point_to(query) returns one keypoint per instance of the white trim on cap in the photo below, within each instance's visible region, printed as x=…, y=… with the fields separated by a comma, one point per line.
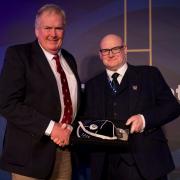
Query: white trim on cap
x=94, y=134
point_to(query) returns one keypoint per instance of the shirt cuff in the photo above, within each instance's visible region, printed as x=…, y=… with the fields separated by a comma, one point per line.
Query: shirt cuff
x=144, y=123
x=49, y=128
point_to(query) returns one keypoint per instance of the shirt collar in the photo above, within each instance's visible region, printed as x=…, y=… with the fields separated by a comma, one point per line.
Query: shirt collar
x=120, y=71
x=48, y=55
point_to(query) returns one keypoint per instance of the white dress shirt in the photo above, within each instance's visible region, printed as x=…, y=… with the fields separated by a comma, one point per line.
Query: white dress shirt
x=72, y=83
x=121, y=71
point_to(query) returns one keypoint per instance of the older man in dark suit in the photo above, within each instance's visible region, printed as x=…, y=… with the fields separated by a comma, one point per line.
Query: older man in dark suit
x=39, y=97
x=137, y=96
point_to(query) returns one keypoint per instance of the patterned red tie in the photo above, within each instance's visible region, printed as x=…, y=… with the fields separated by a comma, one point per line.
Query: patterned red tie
x=68, y=111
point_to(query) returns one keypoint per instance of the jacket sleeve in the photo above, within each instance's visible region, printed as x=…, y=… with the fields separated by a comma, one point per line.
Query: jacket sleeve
x=12, y=96
x=165, y=107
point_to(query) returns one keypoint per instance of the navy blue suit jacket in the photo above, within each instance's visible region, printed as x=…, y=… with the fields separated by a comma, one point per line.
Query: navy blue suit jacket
x=148, y=95
x=29, y=99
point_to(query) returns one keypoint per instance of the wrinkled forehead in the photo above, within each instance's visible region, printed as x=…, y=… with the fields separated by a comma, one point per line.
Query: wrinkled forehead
x=49, y=13
x=110, y=41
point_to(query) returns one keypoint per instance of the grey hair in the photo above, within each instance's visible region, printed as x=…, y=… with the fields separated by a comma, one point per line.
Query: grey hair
x=50, y=8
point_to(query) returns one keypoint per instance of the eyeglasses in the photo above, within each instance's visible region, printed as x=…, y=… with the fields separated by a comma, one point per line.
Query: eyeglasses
x=114, y=50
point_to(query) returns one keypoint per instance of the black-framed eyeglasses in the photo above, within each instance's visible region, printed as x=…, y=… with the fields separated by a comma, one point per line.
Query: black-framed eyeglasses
x=114, y=50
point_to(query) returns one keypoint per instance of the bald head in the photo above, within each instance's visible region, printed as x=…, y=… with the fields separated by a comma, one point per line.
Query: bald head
x=110, y=41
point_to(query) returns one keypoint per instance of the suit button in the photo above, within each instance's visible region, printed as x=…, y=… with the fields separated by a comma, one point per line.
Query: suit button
x=114, y=103
x=115, y=114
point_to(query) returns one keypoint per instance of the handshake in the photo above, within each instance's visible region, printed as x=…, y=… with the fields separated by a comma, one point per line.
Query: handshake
x=60, y=134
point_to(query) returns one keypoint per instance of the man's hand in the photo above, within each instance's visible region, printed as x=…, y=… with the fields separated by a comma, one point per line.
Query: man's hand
x=136, y=122
x=60, y=134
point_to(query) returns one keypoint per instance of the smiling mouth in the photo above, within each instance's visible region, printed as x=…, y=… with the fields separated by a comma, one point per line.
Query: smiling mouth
x=112, y=59
x=53, y=42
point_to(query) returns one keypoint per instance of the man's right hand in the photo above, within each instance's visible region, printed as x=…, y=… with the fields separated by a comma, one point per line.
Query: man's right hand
x=60, y=134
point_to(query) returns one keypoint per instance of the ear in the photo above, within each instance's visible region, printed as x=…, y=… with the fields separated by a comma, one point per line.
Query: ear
x=100, y=55
x=36, y=32
x=125, y=50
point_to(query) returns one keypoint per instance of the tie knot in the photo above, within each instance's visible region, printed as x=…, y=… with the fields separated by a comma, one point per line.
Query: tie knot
x=56, y=57
x=115, y=76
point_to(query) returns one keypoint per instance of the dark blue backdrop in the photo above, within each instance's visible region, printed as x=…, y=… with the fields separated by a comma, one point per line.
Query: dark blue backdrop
x=88, y=21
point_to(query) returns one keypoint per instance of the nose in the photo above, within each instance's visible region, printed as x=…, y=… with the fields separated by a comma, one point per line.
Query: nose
x=110, y=53
x=53, y=32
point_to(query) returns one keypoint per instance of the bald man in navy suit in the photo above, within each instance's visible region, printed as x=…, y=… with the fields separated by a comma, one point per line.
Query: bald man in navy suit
x=137, y=96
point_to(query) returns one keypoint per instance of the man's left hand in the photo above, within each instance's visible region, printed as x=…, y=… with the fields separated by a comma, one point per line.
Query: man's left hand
x=136, y=123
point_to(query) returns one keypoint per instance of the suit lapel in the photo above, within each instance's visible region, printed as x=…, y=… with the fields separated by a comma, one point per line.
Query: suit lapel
x=102, y=84
x=124, y=84
x=69, y=62
x=134, y=88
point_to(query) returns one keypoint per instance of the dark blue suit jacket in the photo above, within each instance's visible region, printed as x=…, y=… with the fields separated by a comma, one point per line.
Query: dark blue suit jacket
x=29, y=99
x=148, y=95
